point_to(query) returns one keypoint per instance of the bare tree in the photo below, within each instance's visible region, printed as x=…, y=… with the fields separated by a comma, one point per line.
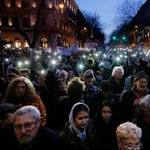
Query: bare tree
x=127, y=10
x=93, y=19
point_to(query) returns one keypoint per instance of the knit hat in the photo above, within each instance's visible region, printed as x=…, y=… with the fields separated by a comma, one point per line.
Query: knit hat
x=88, y=74
x=140, y=75
x=7, y=108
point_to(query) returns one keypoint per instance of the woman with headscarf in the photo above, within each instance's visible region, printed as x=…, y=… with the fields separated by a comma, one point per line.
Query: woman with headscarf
x=76, y=135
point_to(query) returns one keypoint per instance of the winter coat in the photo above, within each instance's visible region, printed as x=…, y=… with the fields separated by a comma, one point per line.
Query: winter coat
x=45, y=140
x=128, y=107
x=73, y=142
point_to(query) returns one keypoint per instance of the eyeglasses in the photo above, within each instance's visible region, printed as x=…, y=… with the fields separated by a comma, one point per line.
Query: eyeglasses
x=133, y=147
x=27, y=125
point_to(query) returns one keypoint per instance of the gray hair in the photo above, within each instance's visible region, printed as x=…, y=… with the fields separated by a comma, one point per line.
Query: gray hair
x=117, y=68
x=128, y=130
x=29, y=109
x=145, y=102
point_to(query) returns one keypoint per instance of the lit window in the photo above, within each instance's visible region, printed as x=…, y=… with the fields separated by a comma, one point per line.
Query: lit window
x=44, y=42
x=17, y=44
x=10, y=21
x=19, y=3
x=67, y=3
x=62, y=27
x=50, y=5
x=26, y=44
x=8, y=3
x=0, y=21
x=148, y=34
x=33, y=19
x=8, y=45
x=34, y=4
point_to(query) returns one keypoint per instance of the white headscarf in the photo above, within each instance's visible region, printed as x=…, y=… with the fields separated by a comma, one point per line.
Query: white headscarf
x=71, y=120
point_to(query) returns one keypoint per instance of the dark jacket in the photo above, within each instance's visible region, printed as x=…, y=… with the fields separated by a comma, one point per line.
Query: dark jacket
x=116, y=87
x=73, y=142
x=45, y=140
x=140, y=121
x=127, y=108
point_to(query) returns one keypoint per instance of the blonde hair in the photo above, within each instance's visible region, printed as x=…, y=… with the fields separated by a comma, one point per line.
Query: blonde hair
x=116, y=69
x=128, y=130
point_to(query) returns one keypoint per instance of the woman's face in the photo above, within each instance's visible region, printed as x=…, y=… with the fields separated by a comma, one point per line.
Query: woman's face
x=62, y=86
x=106, y=113
x=20, y=88
x=81, y=119
x=118, y=75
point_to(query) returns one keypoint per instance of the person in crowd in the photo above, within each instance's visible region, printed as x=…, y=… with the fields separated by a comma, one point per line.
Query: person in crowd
x=90, y=88
x=75, y=89
x=21, y=92
x=90, y=63
x=105, y=126
x=116, y=80
x=99, y=73
x=71, y=74
x=3, y=86
x=130, y=99
x=12, y=73
x=129, y=68
x=63, y=74
x=77, y=134
x=48, y=95
x=61, y=88
x=129, y=136
x=6, y=115
x=6, y=120
x=143, y=121
x=28, y=134
x=25, y=72
x=103, y=94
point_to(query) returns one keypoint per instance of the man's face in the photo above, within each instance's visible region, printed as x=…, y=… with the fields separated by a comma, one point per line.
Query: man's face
x=20, y=89
x=141, y=84
x=81, y=120
x=25, y=128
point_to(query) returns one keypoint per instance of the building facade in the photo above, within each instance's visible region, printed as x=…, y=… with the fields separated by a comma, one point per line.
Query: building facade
x=138, y=30
x=38, y=23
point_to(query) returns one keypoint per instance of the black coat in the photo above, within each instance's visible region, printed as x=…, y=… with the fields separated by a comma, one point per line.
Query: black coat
x=139, y=120
x=45, y=140
x=127, y=108
x=72, y=142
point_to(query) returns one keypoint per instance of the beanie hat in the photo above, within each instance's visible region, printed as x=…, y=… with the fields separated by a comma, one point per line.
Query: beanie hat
x=89, y=73
x=140, y=75
x=7, y=108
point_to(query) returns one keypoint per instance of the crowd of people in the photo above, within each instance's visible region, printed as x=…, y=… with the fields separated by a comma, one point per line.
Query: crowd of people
x=87, y=100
